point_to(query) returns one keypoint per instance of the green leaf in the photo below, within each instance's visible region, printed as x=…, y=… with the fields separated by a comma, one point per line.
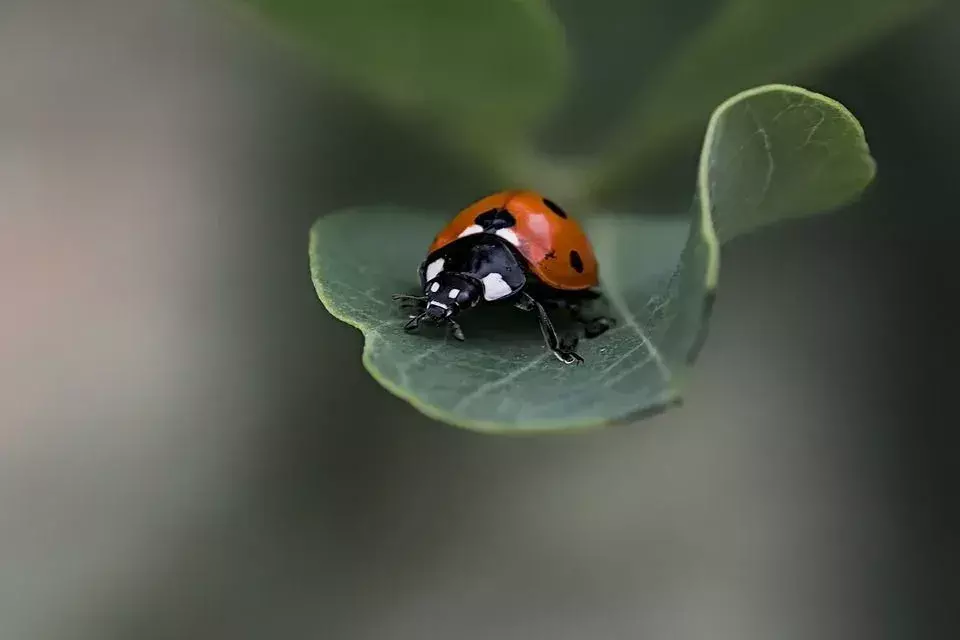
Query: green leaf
x=769, y=154
x=746, y=43
x=491, y=67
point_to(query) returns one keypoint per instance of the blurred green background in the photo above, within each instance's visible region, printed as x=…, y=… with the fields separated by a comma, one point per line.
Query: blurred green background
x=191, y=447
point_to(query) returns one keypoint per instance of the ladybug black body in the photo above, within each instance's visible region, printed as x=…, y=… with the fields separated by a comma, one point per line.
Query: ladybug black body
x=504, y=249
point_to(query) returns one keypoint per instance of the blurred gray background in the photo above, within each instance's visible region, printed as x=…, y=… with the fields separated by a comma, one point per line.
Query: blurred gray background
x=191, y=449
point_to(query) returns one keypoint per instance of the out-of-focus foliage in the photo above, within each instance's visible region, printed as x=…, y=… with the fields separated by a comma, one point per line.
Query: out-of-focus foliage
x=744, y=43
x=493, y=74
x=769, y=154
x=486, y=70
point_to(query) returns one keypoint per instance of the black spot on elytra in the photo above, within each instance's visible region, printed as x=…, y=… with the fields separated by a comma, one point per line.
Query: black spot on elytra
x=495, y=219
x=553, y=206
x=576, y=262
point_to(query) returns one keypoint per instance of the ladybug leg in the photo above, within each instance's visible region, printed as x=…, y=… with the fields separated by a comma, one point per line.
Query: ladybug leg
x=455, y=328
x=416, y=304
x=569, y=343
x=563, y=351
x=414, y=322
x=593, y=325
x=406, y=300
x=525, y=303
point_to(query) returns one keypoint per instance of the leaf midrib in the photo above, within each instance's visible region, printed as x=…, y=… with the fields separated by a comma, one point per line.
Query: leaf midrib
x=612, y=290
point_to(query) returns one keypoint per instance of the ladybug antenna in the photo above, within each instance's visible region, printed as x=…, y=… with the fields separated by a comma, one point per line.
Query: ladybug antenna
x=414, y=321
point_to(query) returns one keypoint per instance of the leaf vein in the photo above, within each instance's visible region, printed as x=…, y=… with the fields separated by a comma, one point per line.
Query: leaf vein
x=485, y=389
x=623, y=374
x=404, y=368
x=623, y=357
x=616, y=299
x=768, y=147
x=813, y=129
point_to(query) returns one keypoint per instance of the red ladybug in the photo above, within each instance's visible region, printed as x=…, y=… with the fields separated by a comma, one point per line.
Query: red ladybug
x=513, y=247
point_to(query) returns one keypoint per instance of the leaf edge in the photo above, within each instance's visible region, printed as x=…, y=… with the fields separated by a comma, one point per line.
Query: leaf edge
x=702, y=189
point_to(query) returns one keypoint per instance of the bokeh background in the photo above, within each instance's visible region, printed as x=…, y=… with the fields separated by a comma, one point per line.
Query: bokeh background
x=190, y=448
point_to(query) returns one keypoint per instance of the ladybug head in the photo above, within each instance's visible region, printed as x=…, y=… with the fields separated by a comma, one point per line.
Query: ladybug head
x=449, y=293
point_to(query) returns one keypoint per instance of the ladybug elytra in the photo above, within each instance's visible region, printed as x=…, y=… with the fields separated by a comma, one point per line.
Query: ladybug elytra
x=513, y=247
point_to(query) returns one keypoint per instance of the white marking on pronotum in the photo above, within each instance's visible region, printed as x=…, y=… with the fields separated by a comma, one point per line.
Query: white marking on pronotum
x=474, y=228
x=435, y=287
x=434, y=268
x=510, y=236
x=495, y=287
x=434, y=303
x=454, y=293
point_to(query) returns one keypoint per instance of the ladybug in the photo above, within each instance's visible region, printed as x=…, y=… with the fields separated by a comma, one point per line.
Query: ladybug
x=511, y=247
